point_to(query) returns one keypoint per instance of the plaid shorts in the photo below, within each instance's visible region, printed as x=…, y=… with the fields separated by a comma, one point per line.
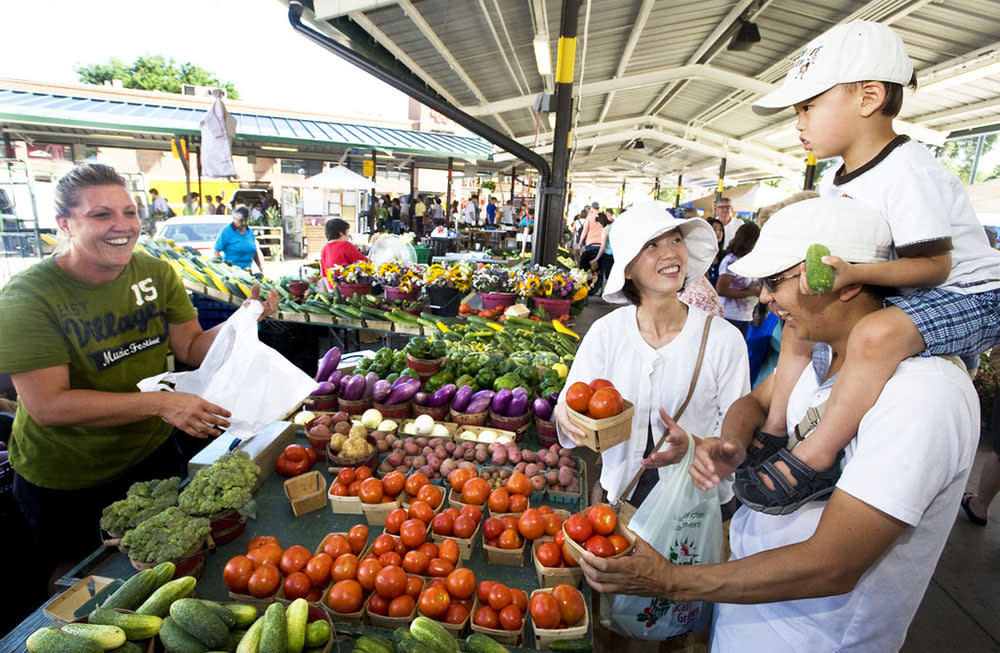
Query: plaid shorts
x=951, y=322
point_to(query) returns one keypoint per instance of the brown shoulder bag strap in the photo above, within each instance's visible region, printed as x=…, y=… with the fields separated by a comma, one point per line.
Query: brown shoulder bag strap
x=680, y=411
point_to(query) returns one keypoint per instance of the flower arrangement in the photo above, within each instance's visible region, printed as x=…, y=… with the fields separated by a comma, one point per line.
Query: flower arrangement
x=493, y=279
x=357, y=272
x=457, y=276
x=551, y=282
x=406, y=277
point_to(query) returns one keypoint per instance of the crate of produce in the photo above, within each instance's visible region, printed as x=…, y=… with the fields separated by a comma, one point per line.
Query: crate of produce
x=394, y=411
x=306, y=492
x=575, y=550
x=375, y=513
x=465, y=544
x=505, y=637
x=507, y=557
x=440, y=430
x=385, y=621
x=438, y=413
x=485, y=434
x=602, y=434
x=357, y=617
x=344, y=505
x=82, y=597
x=552, y=576
x=292, y=316
x=469, y=419
x=545, y=636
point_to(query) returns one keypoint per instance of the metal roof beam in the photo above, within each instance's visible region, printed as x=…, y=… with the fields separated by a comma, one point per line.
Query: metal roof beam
x=985, y=105
x=633, y=40
x=327, y=9
x=428, y=32
x=703, y=71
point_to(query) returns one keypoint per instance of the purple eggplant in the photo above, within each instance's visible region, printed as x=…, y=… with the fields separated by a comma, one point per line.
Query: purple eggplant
x=370, y=379
x=543, y=409
x=403, y=392
x=480, y=405
x=442, y=396
x=380, y=391
x=518, y=405
x=461, y=399
x=501, y=400
x=324, y=388
x=483, y=393
x=553, y=398
x=354, y=389
x=520, y=391
x=421, y=398
x=336, y=377
x=400, y=380
x=329, y=363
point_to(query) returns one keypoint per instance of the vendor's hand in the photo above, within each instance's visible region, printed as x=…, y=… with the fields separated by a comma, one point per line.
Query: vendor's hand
x=192, y=414
x=714, y=459
x=567, y=427
x=677, y=438
x=843, y=275
x=644, y=573
x=270, y=302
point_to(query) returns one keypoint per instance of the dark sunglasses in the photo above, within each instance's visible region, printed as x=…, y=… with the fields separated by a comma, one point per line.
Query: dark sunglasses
x=771, y=283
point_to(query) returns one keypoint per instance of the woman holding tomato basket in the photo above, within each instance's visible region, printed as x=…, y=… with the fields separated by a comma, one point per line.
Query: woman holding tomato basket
x=649, y=348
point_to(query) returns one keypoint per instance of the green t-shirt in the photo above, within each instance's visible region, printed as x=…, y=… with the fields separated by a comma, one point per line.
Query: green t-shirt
x=111, y=336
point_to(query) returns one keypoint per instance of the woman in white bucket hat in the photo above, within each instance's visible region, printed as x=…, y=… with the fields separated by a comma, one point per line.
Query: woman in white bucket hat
x=649, y=348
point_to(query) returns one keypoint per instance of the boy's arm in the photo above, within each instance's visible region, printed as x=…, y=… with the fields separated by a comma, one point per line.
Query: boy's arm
x=910, y=272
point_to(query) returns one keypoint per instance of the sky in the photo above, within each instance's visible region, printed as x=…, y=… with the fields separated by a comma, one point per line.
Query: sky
x=247, y=42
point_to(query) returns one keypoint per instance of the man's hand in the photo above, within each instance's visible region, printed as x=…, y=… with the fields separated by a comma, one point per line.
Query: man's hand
x=677, y=438
x=714, y=459
x=566, y=427
x=192, y=414
x=644, y=573
x=270, y=303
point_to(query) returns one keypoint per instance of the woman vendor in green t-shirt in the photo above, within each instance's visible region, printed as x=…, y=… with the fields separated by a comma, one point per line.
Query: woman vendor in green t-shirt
x=79, y=330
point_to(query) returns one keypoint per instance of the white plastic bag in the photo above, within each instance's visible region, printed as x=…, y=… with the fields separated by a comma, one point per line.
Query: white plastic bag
x=685, y=525
x=243, y=375
x=218, y=128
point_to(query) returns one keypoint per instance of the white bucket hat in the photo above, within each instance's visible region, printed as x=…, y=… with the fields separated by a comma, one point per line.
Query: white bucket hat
x=849, y=228
x=858, y=51
x=642, y=223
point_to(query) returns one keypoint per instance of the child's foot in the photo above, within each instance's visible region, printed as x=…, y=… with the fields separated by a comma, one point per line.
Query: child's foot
x=977, y=518
x=781, y=491
x=762, y=447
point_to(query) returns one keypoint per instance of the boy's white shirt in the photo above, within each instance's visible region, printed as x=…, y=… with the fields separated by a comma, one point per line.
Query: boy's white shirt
x=922, y=201
x=910, y=460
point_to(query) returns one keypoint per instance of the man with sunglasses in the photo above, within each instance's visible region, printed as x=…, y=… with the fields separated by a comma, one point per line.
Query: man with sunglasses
x=847, y=573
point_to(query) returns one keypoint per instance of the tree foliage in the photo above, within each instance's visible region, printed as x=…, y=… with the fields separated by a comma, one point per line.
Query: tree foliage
x=958, y=155
x=153, y=73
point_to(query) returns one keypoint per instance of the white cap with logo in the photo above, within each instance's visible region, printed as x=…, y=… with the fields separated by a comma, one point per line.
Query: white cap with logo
x=858, y=51
x=849, y=228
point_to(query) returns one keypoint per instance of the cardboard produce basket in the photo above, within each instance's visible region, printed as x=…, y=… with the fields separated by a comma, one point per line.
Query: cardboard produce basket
x=306, y=492
x=465, y=544
x=387, y=622
x=506, y=637
x=575, y=549
x=344, y=505
x=375, y=513
x=507, y=557
x=545, y=636
x=466, y=431
x=61, y=610
x=602, y=434
x=357, y=618
x=552, y=576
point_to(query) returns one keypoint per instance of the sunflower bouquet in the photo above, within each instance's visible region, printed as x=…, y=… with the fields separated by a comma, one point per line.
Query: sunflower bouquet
x=457, y=276
x=405, y=277
x=493, y=279
x=357, y=272
x=551, y=282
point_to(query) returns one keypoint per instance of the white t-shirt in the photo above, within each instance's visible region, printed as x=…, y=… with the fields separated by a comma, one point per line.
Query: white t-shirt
x=469, y=213
x=650, y=378
x=911, y=460
x=740, y=308
x=507, y=214
x=924, y=202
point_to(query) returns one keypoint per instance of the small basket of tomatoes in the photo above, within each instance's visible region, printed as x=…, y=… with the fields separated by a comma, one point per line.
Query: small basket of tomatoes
x=558, y=613
x=499, y=612
x=552, y=566
x=596, y=529
x=599, y=410
x=449, y=600
x=393, y=603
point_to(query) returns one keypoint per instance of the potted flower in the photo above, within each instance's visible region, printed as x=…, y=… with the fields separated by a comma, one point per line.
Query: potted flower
x=552, y=288
x=495, y=285
x=445, y=285
x=401, y=281
x=353, y=279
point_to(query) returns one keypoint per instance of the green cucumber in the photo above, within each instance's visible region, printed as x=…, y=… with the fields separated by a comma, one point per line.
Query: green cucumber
x=819, y=275
x=370, y=643
x=571, y=645
x=274, y=633
x=53, y=640
x=414, y=645
x=164, y=573
x=433, y=635
x=158, y=603
x=245, y=614
x=296, y=620
x=317, y=633
x=221, y=612
x=251, y=641
x=135, y=590
x=136, y=626
x=107, y=637
x=128, y=647
x=177, y=640
x=200, y=621
x=479, y=643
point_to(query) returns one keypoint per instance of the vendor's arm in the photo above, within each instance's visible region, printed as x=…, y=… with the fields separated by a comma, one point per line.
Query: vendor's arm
x=850, y=538
x=258, y=260
x=48, y=398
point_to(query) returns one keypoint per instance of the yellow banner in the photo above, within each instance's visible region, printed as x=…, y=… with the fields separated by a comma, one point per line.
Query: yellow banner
x=565, y=60
x=368, y=168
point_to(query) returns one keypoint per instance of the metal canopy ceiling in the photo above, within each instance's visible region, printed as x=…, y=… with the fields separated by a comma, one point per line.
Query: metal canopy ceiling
x=660, y=71
x=148, y=121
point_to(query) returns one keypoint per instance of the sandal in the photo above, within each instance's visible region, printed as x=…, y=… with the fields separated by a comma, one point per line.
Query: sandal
x=785, y=498
x=973, y=517
x=768, y=446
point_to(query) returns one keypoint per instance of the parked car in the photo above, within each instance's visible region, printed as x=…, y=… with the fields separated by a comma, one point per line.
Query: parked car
x=197, y=231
